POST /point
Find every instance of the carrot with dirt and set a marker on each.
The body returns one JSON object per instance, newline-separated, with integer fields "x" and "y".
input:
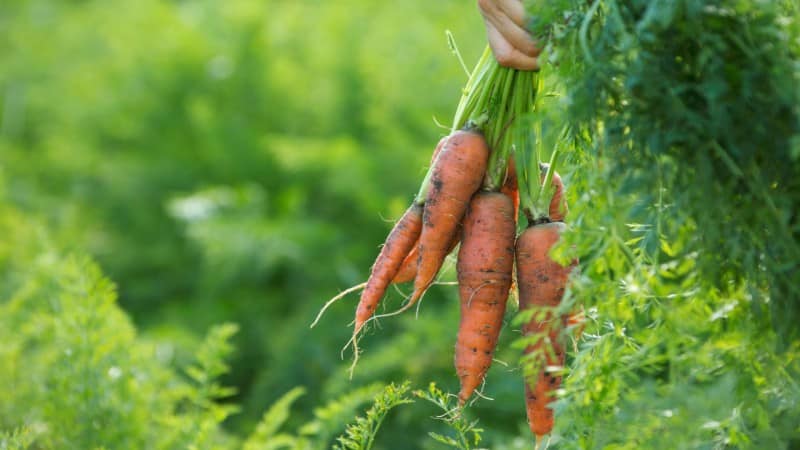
{"x": 485, "y": 263}
{"x": 542, "y": 282}
{"x": 401, "y": 243}
{"x": 398, "y": 244}
{"x": 455, "y": 176}
{"x": 383, "y": 270}
{"x": 486, "y": 258}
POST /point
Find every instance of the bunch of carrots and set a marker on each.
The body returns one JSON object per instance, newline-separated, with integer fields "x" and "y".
{"x": 471, "y": 196}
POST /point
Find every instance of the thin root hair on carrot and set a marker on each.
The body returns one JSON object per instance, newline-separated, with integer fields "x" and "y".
{"x": 334, "y": 299}
{"x": 501, "y": 362}
{"x": 481, "y": 286}
{"x": 479, "y": 392}
{"x": 539, "y": 440}
{"x": 352, "y": 368}
{"x": 400, "y": 291}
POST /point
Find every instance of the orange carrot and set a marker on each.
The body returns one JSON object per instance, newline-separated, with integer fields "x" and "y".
{"x": 558, "y": 211}
{"x": 408, "y": 270}
{"x": 558, "y": 204}
{"x": 485, "y": 263}
{"x": 542, "y": 283}
{"x": 510, "y": 187}
{"x": 456, "y": 174}
{"x": 578, "y": 321}
{"x": 398, "y": 244}
{"x": 393, "y": 264}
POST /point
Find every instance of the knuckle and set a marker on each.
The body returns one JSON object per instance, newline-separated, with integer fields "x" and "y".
{"x": 485, "y": 5}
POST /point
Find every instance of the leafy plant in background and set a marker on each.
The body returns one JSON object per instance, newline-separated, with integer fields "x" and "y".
{"x": 683, "y": 124}
{"x": 467, "y": 435}
{"x": 360, "y": 435}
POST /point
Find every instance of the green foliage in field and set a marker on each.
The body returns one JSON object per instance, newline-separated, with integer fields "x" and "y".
{"x": 683, "y": 126}
{"x": 231, "y": 165}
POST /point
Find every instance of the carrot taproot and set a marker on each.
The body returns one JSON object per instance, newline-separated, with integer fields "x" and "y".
{"x": 398, "y": 244}
{"x": 456, "y": 175}
{"x": 484, "y": 267}
{"x": 542, "y": 283}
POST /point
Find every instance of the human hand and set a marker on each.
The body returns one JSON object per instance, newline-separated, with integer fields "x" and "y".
{"x": 511, "y": 43}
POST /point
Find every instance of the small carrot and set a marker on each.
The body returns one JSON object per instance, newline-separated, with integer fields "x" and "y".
{"x": 484, "y": 266}
{"x": 375, "y": 287}
{"x": 577, "y": 320}
{"x": 510, "y": 187}
{"x": 558, "y": 205}
{"x": 542, "y": 283}
{"x": 398, "y": 244}
{"x": 401, "y": 242}
{"x": 558, "y": 209}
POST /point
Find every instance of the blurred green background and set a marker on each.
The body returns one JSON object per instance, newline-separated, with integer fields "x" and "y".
{"x": 236, "y": 161}
{"x": 183, "y": 184}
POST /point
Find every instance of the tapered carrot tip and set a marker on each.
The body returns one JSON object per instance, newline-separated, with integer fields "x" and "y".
{"x": 398, "y": 245}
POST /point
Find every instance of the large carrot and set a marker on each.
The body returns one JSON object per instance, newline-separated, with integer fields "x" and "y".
{"x": 542, "y": 283}
{"x": 455, "y": 176}
{"x": 485, "y": 263}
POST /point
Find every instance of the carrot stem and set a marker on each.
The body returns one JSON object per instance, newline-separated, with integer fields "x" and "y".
{"x": 492, "y": 101}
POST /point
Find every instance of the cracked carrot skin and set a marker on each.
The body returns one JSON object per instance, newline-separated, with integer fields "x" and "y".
{"x": 485, "y": 263}
{"x": 457, "y": 174}
{"x": 542, "y": 283}
{"x": 398, "y": 245}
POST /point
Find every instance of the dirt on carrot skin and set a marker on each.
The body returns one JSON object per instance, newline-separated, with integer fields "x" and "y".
{"x": 484, "y": 268}
{"x": 542, "y": 283}
{"x": 457, "y": 174}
